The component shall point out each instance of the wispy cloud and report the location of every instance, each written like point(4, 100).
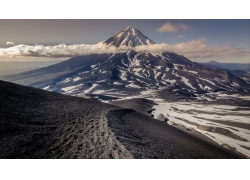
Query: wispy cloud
point(182, 26)
point(56, 51)
point(196, 49)
point(168, 27)
point(10, 43)
point(180, 36)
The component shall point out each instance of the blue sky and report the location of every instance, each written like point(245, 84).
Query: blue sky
point(217, 32)
point(214, 32)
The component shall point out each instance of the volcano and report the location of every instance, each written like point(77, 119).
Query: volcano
point(129, 36)
point(131, 73)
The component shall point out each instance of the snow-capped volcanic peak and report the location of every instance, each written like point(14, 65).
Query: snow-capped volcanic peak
point(129, 36)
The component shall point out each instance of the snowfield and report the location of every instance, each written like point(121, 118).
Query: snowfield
point(191, 115)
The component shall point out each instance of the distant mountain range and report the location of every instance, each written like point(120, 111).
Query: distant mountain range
point(11, 67)
point(229, 66)
point(131, 73)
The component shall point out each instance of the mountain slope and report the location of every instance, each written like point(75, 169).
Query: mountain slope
point(228, 66)
point(130, 73)
point(51, 125)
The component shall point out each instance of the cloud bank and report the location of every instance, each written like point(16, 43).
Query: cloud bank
point(56, 51)
point(10, 43)
point(196, 49)
point(168, 27)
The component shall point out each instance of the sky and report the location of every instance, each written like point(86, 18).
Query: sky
point(199, 40)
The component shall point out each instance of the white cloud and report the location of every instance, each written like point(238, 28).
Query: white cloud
point(182, 26)
point(168, 27)
point(10, 43)
point(197, 49)
point(60, 50)
point(194, 50)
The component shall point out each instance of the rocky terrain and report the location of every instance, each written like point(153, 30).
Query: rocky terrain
point(41, 124)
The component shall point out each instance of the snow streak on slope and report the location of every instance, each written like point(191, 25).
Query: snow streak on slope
point(198, 116)
point(70, 88)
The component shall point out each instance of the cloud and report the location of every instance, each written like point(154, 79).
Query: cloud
point(10, 43)
point(180, 36)
point(196, 49)
point(56, 51)
point(168, 27)
point(182, 26)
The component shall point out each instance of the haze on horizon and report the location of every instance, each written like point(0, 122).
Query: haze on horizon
point(198, 40)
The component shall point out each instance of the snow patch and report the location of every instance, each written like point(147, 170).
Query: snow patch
point(76, 79)
point(70, 88)
point(64, 81)
point(117, 83)
point(46, 88)
point(133, 86)
point(91, 88)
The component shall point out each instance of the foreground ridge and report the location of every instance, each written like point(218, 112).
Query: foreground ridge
point(50, 125)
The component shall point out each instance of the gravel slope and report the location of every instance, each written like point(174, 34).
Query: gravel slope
point(41, 124)
point(145, 137)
